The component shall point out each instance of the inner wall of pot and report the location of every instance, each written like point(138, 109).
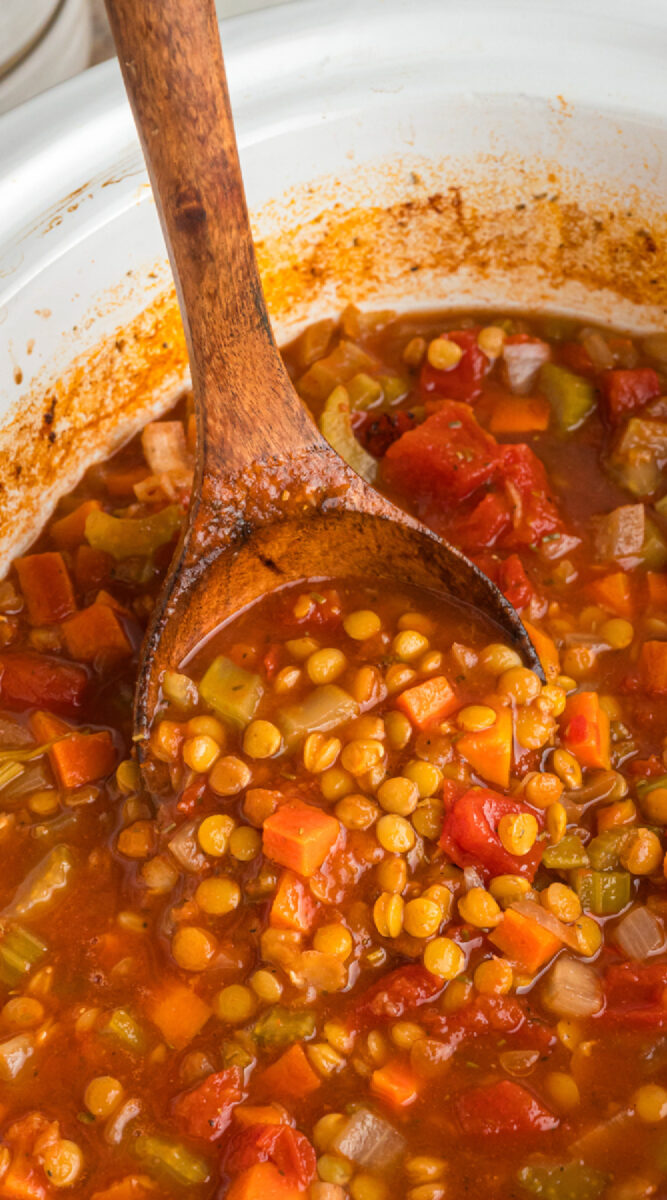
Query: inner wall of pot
point(556, 208)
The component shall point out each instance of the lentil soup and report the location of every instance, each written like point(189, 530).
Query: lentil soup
point(396, 926)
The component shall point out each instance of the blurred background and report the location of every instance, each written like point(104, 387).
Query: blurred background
point(43, 42)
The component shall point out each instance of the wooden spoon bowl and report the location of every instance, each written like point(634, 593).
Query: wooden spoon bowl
point(272, 503)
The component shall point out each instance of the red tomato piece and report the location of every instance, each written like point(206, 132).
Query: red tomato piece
point(205, 1111)
point(624, 391)
point(633, 995)
point(29, 680)
point(378, 431)
point(534, 513)
point(271, 661)
point(397, 994)
point(503, 1109)
point(469, 835)
point(446, 458)
point(482, 528)
point(464, 381)
point(289, 1150)
point(514, 583)
point(574, 356)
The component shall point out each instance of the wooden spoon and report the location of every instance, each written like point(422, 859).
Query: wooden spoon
point(272, 502)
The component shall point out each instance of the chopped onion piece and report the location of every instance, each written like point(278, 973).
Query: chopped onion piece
point(640, 933)
point(14, 1054)
point(572, 989)
point(519, 1062)
point(180, 690)
point(619, 533)
point(522, 362)
point(369, 1140)
point(535, 912)
point(115, 1126)
point(164, 447)
point(472, 878)
point(185, 848)
point(597, 349)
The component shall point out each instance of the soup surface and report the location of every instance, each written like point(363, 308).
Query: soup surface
point(396, 927)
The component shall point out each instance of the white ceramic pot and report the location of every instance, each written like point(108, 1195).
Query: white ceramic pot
point(42, 42)
point(506, 154)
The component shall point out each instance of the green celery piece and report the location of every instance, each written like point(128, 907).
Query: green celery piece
point(43, 886)
point(236, 1055)
point(123, 1026)
point(394, 388)
point(364, 391)
point(345, 361)
point(660, 506)
point(568, 854)
point(654, 550)
point(571, 397)
point(133, 537)
point(231, 691)
point(321, 710)
point(603, 893)
point(20, 950)
point(173, 1158)
point(280, 1026)
point(604, 851)
point(563, 1181)
point(638, 455)
point(336, 426)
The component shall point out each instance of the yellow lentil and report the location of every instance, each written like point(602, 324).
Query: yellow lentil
point(422, 917)
point(245, 843)
point(409, 644)
point(266, 986)
point(217, 896)
point(491, 340)
point(234, 1004)
point(563, 1091)
point(388, 914)
point(567, 768)
point(543, 788)
point(443, 354)
point(324, 666)
point(562, 901)
point(102, 1095)
point(618, 633)
point(399, 730)
point(517, 832)
point(507, 889)
point(650, 1103)
point(392, 874)
point(200, 752)
point(395, 834)
point(493, 977)
point(556, 822)
point(334, 939)
point(643, 854)
point(520, 684)
point(479, 908)
point(262, 739)
point(229, 776)
point(320, 752)
point(193, 947)
point(497, 659)
point(358, 756)
point(214, 833)
point(362, 624)
point(476, 717)
point(444, 958)
point(356, 811)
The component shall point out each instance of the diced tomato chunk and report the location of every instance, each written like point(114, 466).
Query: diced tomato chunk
point(396, 995)
point(29, 680)
point(534, 512)
point(485, 525)
point(205, 1111)
point(289, 1150)
point(514, 583)
point(470, 838)
point(634, 996)
point(624, 391)
point(464, 381)
point(501, 1110)
point(446, 458)
point(378, 431)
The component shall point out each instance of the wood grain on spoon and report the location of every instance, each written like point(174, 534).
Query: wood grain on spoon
point(272, 502)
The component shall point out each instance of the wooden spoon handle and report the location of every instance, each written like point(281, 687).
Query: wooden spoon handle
point(247, 409)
